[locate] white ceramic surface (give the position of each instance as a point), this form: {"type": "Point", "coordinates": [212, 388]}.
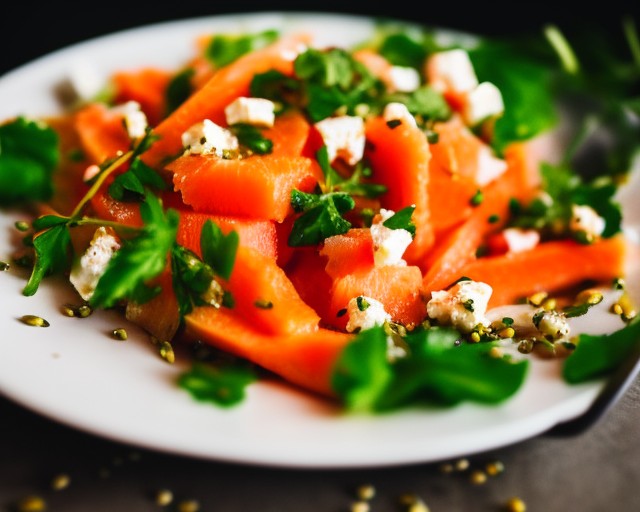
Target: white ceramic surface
{"type": "Point", "coordinates": [74, 373]}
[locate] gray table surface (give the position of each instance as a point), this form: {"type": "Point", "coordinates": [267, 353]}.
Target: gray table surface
{"type": "Point", "coordinates": [598, 470]}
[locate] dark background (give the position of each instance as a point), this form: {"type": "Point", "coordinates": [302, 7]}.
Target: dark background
{"type": "Point", "coordinates": [29, 30]}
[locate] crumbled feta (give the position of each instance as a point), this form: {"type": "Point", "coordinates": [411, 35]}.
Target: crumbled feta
{"type": "Point", "coordinates": [365, 313]}
{"type": "Point", "coordinates": [344, 137]}
{"type": "Point", "coordinates": [89, 268]}
{"type": "Point", "coordinates": [206, 137]}
{"type": "Point", "coordinates": [463, 306]}
{"type": "Point", "coordinates": [490, 167]}
{"type": "Point", "coordinates": [90, 172]}
{"type": "Point", "coordinates": [552, 324]}
{"type": "Point", "coordinates": [135, 119]}
{"type": "Point", "coordinates": [403, 79]}
{"type": "Point", "coordinates": [519, 239]}
{"type": "Point", "coordinates": [398, 112]}
{"type": "Point", "coordinates": [451, 70]}
{"type": "Point", "coordinates": [254, 111]}
{"type": "Point", "coordinates": [482, 102]}
{"type": "Point", "coordinates": [586, 219]}
{"type": "Point", "coordinates": [388, 244]}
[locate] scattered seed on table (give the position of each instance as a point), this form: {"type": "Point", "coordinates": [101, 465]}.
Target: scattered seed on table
{"type": "Point", "coordinates": [164, 497]}
{"type": "Point", "coordinates": [494, 468]}
{"type": "Point", "coordinates": [31, 504]}
{"type": "Point", "coordinates": [462, 464]}
{"type": "Point", "coordinates": [478, 477]}
{"type": "Point", "coordinates": [188, 506]}
{"type": "Point", "coordinates": [34, 321]}
{"type": "Point", "coordinates": [366, 492]}
{"type": "Point", "coordinates": [515, 504]}
{"type": "Point", "coordinates": [360, 506]}
{"type": "Point", "coordinates": [60, 482]}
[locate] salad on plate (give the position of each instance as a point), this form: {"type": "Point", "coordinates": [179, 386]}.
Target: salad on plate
{"type": "Point", "coordinates": [400, 222]}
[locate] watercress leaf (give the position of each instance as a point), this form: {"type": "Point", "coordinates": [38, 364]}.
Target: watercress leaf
{"type": "Point", "coordinates": [425, 102]}
{"type": "Point", "coordinates": [405, 48]}
{"type": "Point", "coordinates": [597, 355]}
{"type": "Point", "coordinates": [48, 221]}
{"type": "Point", "coordinates": [402, 220]}
{"type": "Point", "coordinates": [437, 369]}
{"type": "Point", "coordinates": [526, 85]}
{"type": "Point", "coordinates": [178, 89]}
{"type": "Point", "coordinates": [322, 220]}
{"type": "Point", "coordinates": [362, 373]}
{"type": "Point", "coordinates": [52, 248]}
{"type": "Point", "coordinates": [251, 137]}
{"type": "Point", "coordinates": [219, 250]}
{"type": "Point", "coordinates": [29, 153]}
{"type": "Point", "coordinates": [139, 259]}
{"type": "Point", "coordinates": [131, 184]}
{"type": "Point", "coordinates": [440, 372]}
{"type": "Point", "coordinates": [223, 49]}
{"type": "Point", "coordinates": [275, 86]}
{"type": "Point", "coordinates": [191, 277]}
{"type": "Point", "coordinates": [221, 385]}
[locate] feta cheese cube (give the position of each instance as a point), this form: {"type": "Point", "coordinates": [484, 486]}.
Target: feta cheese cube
{"type": "Point", "coordinates": [403, 79]}
{"type": "Point", "coordinates": [135, 119]}
{"type": "Point", "coordinates": [398, 112]}
{"type": "Point", "coordinates": [519, 239]}
{"type": "Point", "coordinates": [489, 166]}
{"type": "Point", "coordinates": [254, 111]}
{"type": "Point", "coordinates": [89, 268]}
{"type": "Point", "coordinates": [451, 71]}
{"type": "Point", "coordinates": [365, 313]}
{"type": "Point", "coordinates": [463, 306]}
{"type": "Point", "coordinates": [585, 219]}
{"type": "Point", "coordinates": [552, 324]}
{"type": "Point", "coordinates": [481, 103]}
{"type": "Point", "coordinates": [344, 137]}
{"type": "Point", "coordinates": [206, 137]}
{"type": "Point", "coordinates": [389, 244]}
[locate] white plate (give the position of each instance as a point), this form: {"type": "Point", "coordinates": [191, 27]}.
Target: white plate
{"type": "Point", "coordinates": [74, 373]}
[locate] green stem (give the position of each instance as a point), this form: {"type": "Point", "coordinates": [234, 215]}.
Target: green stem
{"type": "Point", "coordinates": [563, 49]}
{"type": "Point", "coordinates": [98, 183]}
{"type": "Point", "coordinates": [88, 221]}
{"type": "Point", "coordinates": [631, 34]}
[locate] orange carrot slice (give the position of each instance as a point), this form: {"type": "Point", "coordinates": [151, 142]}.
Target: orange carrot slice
{"type": "Point", "coordinates": [102, 132]}
{"type": "Point", "coordinates": [258, 186]}
{"type": "Point", "coordinates": [147, 86]}
{"type": "Point", "coordinates": [397, 288]}
{"type": "Point", "coordinates": [305, 359]}
{"type": "Point", "coordinates": [223, 87]}
{"type": "Point", "coordinates": [257, 234]}
{"type": "Point", "coordinates": [265, 296]}
{"type": "Point", "coordinates": [348, 253]}
{"type": "Point", "coordinates": [459, 247]}
{"type": "Point", "coordinates": [550, 266]}
{"type": "Point", "coordinates": [399, 159]}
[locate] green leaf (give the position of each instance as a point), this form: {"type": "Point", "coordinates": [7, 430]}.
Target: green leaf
{"type": "Point", "coordinates": [402, 220]}
{"type": "Point", "coordinates": [406, 49]}
{"type": "Point", "coordinates": [52, 248]}
{"type": "Point", "coordinates": [221, 385]}
{"type": "Point", "coordinates": [322, 217]}
{"type": "Point", "coordinates": [251, 137]}
{"type": "Point", "coordinates": [224, 49]}
{"type": "Point", "coordinates": [438, 369]}
{"type": "Point", "coordinates": [425, 102]}
{"type": "Point", "coordinates": [179, 89]}
{"type": "Point", "coordinates": [29, 153]}
{"type": "Point", "coordinates": [526, 84]}
{"type": "Point", "coordinates": [139, 259]}
{"type": "Point", "coordinates": [191, 277]}
{"type": "Point", "coordinates": [598, 355]}
{"type": "Point", "coordinates": [219, 250]}
{"type": "Point", "coordinates": [362, 374]}
{"type": "Point", "coordinates": [131, 184]}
